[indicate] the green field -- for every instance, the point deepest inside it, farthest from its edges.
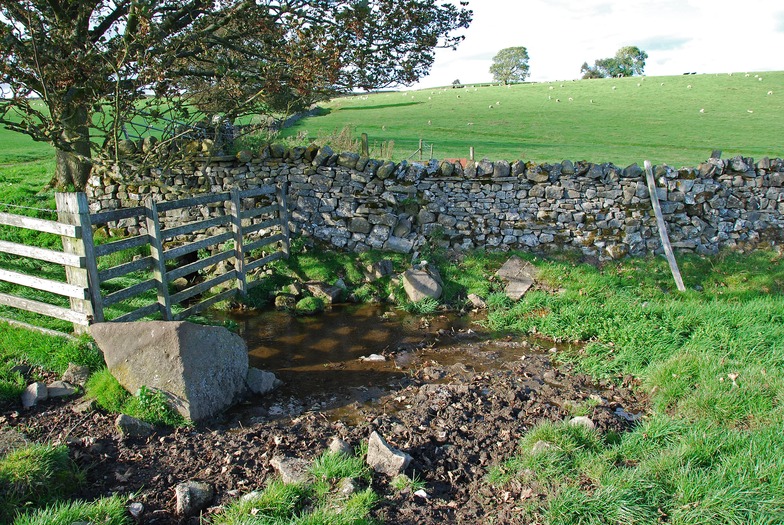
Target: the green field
(655, 118)
(710, 360)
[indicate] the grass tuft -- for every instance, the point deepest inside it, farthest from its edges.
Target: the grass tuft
(107, 511)
(35, 476)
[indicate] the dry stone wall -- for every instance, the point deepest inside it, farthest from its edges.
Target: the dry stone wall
(602, 210)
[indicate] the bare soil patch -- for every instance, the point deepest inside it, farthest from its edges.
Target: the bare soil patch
(457, 411)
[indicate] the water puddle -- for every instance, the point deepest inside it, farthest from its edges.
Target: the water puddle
(354, 355)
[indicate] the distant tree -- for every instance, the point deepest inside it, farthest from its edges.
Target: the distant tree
(76, 73)
(628, 61)
(456, 83)
(510, 65)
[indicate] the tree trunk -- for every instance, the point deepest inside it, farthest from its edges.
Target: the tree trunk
(73, 157)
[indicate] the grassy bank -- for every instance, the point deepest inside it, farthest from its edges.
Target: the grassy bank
(712, 361)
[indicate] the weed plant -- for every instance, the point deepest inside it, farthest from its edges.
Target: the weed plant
(402, 482)
(147, 404)
(426, 306)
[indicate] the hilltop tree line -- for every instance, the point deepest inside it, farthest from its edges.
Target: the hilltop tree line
(510, 65)
(75, 73)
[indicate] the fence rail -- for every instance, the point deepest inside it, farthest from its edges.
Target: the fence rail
(241, 232)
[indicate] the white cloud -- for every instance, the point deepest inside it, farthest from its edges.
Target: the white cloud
(706, 36)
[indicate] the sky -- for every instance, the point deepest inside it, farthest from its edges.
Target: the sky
(703, 36)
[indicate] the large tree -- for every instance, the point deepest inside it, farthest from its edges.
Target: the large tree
(510, 65)
(628, 61)
(77, 73)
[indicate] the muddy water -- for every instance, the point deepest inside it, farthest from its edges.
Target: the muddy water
(354, 355)
(340, 348)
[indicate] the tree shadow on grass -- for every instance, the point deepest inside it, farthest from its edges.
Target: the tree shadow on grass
(380, 106)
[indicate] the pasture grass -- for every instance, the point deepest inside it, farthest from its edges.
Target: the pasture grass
(607, 120)
(35, 476)
(711, 360)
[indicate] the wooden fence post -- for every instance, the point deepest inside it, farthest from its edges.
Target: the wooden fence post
(471, 152)
(156, 252)
(365, 151)
(665, 239)
(239, 248)
(420, 149)
(283, 211)
(73, 209)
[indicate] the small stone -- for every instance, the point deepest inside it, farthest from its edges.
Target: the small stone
(421, 284)
(34, 393)
(261, 381)
(477, 302)
(133, 428)
(340, 446)
(541, 446)
(76, 374)
(193, 497)
(285, 302)
(11, 440)
(291, 470)
(583, 421)
(373, 358)
(378, 270)
(84, 407)
(385, 459)
(347, 487)
(136, 509)
(60, 389)
(421, 494)
(250, 496)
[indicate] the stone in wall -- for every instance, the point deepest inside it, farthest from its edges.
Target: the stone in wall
(600, 209)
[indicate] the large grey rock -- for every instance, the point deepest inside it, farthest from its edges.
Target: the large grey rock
(519, 276)
(201, 369)
(502, 168)
(193, 497)
(399, 245)
(261, 382)
(348, 159)
(421, 284)
(385, 459)
(378, 270)
(291, 470)
(34, 393)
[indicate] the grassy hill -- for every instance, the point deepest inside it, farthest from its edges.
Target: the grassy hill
(607, 120)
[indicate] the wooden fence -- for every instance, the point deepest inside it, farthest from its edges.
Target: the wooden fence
(238, 232)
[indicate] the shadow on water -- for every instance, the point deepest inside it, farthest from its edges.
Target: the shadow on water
(320, 358)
